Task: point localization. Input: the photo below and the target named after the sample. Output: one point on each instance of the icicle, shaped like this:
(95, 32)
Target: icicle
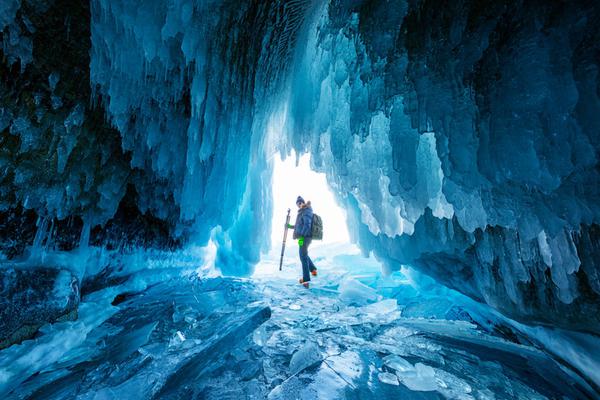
(84, 238)
(40, 237)
(49, 237)
(42, 224)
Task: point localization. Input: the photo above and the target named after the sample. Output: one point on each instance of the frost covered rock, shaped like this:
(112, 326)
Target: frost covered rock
(30, 298)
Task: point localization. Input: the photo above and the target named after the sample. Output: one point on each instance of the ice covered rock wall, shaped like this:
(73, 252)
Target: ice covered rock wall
(186, 84)
(59, 160)
(141, 116)
(464, 140)
(32, 297)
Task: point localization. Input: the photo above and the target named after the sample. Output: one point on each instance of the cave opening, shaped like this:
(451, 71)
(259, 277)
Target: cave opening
(336, 255)
(291, 179)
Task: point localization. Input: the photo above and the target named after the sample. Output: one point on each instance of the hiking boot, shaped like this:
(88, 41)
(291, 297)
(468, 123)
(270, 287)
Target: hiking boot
(305, 284)
(314, 272)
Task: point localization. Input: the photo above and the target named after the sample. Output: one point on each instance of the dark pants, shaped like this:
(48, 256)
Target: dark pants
(307, 264)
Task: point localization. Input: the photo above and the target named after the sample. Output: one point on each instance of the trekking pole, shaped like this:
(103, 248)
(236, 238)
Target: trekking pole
(287, 222)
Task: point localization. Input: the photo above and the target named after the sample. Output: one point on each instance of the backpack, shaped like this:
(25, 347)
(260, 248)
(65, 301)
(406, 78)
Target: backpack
(317, 227)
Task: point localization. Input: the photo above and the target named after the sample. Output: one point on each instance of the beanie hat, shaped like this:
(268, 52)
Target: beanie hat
(299, 200)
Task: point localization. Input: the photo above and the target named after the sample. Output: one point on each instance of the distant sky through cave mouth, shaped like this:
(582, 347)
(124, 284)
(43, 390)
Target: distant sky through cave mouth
(289, 181)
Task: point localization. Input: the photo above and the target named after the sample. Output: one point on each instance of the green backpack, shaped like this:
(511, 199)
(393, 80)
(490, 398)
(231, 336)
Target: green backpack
(317, 227)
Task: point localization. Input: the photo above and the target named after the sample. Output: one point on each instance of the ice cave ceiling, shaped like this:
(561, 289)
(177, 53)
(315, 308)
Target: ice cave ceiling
(461, 139)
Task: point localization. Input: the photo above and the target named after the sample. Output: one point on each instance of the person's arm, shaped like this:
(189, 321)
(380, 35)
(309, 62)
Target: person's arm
(290, 226)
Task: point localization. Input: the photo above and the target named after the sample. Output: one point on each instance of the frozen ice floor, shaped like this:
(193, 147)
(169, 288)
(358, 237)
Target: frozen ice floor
(354, 335)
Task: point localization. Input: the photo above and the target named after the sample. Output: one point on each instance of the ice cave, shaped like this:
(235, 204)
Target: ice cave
(447, 151)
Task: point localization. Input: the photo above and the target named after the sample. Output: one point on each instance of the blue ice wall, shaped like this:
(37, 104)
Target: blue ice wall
(464, 140)
(190, 85)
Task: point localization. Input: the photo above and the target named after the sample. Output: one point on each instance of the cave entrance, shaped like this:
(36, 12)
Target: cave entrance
(335, 256)
(291, 180)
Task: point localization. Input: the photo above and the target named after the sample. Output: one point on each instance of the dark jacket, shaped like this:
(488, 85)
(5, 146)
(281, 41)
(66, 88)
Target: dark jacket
(303, 225)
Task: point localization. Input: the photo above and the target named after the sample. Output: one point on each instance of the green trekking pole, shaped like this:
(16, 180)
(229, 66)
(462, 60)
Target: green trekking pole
(287, 222)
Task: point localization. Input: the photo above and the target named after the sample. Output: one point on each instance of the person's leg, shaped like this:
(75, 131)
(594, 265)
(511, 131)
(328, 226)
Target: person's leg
(304, 260)
(311, 266)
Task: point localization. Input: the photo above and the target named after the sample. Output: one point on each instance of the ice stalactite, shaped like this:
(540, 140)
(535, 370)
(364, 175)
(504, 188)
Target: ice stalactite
(183, 83)
(463, 142)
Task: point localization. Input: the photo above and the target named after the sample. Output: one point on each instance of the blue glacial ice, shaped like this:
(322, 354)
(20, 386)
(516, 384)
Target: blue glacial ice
(466, 149)
(137, 143)
(186, 333)
(437, 170)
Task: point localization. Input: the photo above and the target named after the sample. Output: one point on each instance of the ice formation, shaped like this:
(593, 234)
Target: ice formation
(461, 140)
(462, 146)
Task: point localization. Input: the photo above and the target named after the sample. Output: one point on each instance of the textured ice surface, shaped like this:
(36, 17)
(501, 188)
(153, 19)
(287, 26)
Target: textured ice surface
(157, 335)
(306, 356)
(355, 293)
(136, 348)
(364, 346)
(388, 378)
(418, 378)
(469, 156)
(462, 141)
(32, 297)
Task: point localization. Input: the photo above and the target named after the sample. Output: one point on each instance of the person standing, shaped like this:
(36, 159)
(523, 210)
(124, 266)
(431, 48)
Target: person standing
(303, 232)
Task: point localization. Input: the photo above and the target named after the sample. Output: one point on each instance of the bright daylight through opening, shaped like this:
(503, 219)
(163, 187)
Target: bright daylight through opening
(290, 181)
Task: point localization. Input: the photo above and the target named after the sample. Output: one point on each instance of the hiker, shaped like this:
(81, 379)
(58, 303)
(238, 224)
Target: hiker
(303, 232)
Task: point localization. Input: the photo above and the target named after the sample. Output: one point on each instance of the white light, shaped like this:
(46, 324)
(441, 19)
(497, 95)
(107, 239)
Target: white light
(291, 181)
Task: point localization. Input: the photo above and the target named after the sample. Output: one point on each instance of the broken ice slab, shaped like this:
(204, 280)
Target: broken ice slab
(353, 292)
(397, 363)
(307, 356)
(388, 378)
(451, 386)
(349, 375)
(440, 342)
(260, 336)
(329, 381)
(130, 354)
(177, 339)
(420, 378)
(227, 336)
(382, 312)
